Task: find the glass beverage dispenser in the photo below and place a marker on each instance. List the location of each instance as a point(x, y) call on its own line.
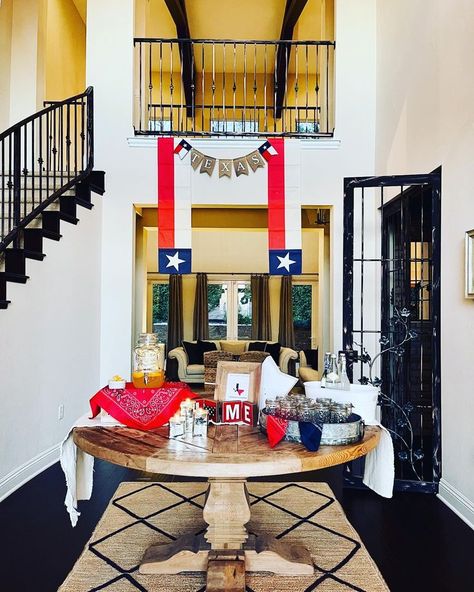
point(148, 362)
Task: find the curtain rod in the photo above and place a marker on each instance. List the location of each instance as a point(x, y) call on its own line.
point(237, 273)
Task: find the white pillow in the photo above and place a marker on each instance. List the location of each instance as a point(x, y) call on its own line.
point(274, 382)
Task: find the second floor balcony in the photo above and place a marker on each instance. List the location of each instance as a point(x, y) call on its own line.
point(210, 87)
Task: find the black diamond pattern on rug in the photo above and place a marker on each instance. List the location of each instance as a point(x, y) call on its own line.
point(160, 512)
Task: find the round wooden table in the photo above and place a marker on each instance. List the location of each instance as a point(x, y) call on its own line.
point(226, 457)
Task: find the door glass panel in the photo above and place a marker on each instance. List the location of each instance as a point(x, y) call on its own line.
point(217, 305)
point(244, 311)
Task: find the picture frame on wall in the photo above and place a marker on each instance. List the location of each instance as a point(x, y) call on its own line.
point(238, 381)
point(469, 281)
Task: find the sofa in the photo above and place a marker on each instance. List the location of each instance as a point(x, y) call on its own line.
point(194, 373)
point(307, 370)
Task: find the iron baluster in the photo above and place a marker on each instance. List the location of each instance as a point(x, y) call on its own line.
point(234, 87)
point(265, 88)
point(202, 86)
point(212, 116)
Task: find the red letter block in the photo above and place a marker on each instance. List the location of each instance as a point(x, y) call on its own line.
point(231, 411)
point(249, 413)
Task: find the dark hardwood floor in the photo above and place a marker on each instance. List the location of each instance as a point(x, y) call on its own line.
point(418, 543)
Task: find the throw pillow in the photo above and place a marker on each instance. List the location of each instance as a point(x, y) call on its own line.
point(274, 350)
point(257, 345)
point(235, 347)
point(311, 356)
point(194, 352)
point(206, 346)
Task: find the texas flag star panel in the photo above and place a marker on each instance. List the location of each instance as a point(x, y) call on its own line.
point(174, 207)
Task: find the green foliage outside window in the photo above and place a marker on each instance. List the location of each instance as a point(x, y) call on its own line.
point(214, 293)
point(160, 303)
point(302, 306)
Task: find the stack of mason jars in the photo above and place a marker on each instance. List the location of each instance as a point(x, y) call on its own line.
point(302, 408)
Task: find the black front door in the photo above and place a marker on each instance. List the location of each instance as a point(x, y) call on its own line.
point(391, 312)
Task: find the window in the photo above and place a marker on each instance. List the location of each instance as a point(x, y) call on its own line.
point(307, 127)
point(230, 309)
point(303, 306)
point(159, 125)
point(235, 126)
point(160, 295)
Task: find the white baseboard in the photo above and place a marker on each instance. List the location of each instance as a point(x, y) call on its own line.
point(28, 470)
point(458, 502)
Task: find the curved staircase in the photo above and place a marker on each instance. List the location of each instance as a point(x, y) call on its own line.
point(46, 176)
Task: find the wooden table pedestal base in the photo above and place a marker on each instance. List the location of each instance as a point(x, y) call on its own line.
point(227, 511)
point(191, 553)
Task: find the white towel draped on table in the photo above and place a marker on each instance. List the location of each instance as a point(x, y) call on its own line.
point(379, 472)
point(78, 467)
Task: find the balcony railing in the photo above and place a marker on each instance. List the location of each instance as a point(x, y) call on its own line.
point(203, 87)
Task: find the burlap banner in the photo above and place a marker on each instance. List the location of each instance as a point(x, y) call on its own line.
point(241, 165)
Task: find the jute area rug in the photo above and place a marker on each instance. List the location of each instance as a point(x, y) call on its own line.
point(144, 514)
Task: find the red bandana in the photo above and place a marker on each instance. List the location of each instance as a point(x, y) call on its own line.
point(141, 408)
point(276, 429)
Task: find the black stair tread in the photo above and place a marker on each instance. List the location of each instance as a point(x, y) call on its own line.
point(51, 235)
point(34, 255)
point(68, 218)
point(83, 203)
point(17, 278)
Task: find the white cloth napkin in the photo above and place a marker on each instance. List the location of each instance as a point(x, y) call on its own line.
point(379, 472)
point(78, 466)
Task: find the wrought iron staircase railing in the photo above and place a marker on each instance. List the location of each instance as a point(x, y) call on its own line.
point(46, 174)
point(41, 157)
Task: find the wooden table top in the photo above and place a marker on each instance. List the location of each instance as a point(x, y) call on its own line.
point(228, 451)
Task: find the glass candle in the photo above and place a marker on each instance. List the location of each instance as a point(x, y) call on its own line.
point(176, 426)
point(200, 422)
point(186, 411)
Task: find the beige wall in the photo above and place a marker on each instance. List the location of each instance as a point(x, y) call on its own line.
point(65, 50)
point(425, 98)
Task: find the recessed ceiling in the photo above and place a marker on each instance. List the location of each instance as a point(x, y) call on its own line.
point(228, 19)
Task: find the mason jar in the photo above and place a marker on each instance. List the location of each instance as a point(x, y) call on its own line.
point(271, 406)
point(306, 410)
point(287, 409)
point(148, 362)
point(322, 412)
point(340, 412)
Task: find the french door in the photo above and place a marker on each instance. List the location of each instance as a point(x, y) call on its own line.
point(229, 309)
point(391, 314)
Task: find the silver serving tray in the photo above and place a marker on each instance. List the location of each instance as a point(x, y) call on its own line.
point(334, 434)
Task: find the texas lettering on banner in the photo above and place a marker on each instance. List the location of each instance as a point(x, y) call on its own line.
point(240, 165)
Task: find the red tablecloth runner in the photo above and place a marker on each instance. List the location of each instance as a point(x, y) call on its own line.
point(141, 408)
